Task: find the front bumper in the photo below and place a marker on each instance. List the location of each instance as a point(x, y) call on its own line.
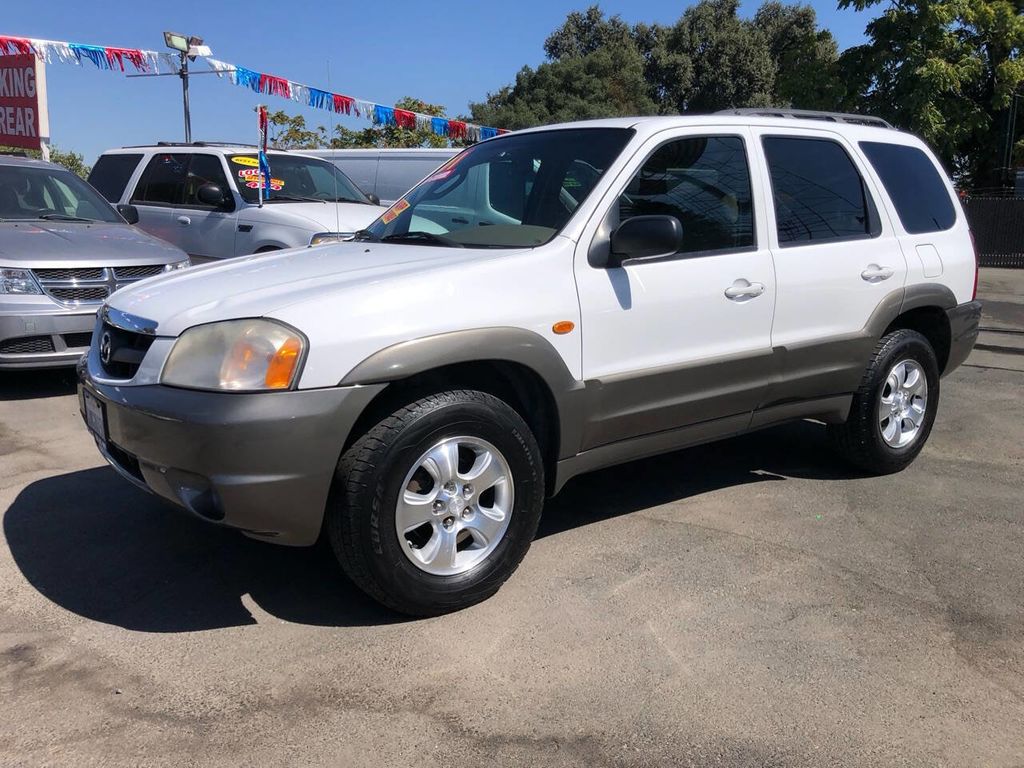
point(262, 462)
point(964, 320)
point(37, 333)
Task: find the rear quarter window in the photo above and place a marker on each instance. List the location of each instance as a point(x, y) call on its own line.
point(111, 173)
point(914, 184)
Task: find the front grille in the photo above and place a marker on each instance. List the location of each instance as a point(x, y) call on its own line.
point(137, 273)
point(90, 285)
point(126, 351)
point(27, 345)
point(81, 273)
point(80, 294)
point(73, 340)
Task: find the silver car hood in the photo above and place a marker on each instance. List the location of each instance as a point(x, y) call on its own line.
point(37, 244)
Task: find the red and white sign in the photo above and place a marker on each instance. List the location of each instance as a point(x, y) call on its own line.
point(23, 118)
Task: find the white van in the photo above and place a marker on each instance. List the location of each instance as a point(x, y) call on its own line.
point(386, 173)
point(203, 198)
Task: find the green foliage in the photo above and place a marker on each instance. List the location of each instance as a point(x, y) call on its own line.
point(73, 161)
point(946, 69)
point(709, 59)
point(290, 131)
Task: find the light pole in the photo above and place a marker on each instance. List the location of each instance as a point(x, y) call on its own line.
point(188, 48)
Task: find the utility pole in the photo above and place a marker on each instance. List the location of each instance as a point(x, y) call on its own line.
point(188, 48)
point(184, 98)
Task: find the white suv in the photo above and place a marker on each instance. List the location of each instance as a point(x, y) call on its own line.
point(203, 197)
point(546, 303)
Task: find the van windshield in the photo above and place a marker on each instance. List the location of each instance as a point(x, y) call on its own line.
point(294, 178)
point(510, 192)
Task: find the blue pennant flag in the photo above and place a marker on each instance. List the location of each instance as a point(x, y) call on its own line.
point(247, 78)
point(264, 170)
point(95, 53)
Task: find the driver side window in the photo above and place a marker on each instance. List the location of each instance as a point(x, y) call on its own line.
point(704, 181)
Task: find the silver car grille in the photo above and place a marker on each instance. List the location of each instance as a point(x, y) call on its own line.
point(90, 285)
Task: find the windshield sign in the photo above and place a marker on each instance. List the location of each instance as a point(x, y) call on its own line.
point(294, 179)
point(511, 192)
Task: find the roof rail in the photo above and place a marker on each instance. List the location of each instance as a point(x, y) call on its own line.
point(810, 114)
point(193, 144)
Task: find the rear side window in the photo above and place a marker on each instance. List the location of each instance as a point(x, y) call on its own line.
point(111, 173)
point(163, 181)
point(819, 195)
point(704, 182)
point(914, 184)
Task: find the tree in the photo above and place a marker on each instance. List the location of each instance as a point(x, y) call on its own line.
point(73, 161)
point(806, 58)
point(290, 132)
point(947, 70)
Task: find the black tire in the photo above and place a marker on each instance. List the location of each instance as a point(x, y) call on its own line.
point(860, 439)
point(360, 518)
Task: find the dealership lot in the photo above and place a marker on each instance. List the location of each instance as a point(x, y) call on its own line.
point(752, 602)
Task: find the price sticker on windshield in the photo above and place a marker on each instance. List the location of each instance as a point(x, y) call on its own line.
point(395, 211)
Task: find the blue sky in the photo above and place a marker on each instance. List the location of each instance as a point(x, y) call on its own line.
point(444, 53)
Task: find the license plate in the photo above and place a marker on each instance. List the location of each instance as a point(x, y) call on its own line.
point(95, 416)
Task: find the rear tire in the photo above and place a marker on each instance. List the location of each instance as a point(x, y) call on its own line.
point(894, 408)
point(404, 519)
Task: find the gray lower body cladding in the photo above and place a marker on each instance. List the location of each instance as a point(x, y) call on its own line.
point(963, 333)
point(261, 462)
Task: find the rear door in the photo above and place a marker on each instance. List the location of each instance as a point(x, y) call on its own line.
point(836, 258)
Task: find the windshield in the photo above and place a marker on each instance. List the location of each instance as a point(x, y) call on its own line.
point(515, 191)
point(294, 179)
point(41, 192)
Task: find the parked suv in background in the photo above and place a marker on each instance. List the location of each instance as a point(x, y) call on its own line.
point(63, 250)
point(203, 197)
point(609, 290)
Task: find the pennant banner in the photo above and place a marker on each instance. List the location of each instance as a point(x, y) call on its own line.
point(155, 62)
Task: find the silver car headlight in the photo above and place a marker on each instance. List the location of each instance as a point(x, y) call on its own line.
point(18, 281)
point(178, 265)
point(321, 238)
point(236, 355)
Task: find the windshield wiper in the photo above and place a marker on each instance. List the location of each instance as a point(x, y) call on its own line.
point(63, 217)
point(365, 234)
point(420, 235)
point(295, 198)
point(347, 200)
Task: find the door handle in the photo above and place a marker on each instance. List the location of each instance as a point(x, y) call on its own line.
point(184, 221)
point(876, 274)
point(743, 290)
point(459, 220)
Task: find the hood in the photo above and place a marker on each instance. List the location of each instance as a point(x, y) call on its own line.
point(257, 285)
point(323, 217)
point(36, 244)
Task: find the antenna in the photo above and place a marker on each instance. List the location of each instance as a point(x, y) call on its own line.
point(330, 139)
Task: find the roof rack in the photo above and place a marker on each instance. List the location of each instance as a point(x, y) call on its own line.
point(810, 114)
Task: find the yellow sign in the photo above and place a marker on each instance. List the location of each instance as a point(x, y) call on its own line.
point(252, 162)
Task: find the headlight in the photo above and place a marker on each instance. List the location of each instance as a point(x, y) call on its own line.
point(177, 265)
point(18, 281)
point(238, 355)
point(330, 237)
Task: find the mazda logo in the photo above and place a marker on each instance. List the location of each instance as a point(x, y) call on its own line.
point(105, 350)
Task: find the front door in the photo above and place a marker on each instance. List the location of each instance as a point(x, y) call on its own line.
point(675, 341)
point(205, 232)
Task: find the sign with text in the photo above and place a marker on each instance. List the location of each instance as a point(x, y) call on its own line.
point(23, 117)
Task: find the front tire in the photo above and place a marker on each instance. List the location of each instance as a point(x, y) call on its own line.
point(894, 408)
point(434, 507)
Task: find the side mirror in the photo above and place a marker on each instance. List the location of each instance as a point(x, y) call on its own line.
point(373, 198)
point(129, 213)
point(211, 194)
point(645, 237)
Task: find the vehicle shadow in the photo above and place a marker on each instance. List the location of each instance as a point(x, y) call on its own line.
point(100, 548)
point(33, 384)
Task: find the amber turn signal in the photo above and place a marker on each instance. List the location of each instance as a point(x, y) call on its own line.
point(563, 327)
point(282, 364)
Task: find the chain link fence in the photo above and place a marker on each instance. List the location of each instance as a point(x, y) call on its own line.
point(998, 227)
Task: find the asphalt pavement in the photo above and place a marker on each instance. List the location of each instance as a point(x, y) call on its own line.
point(749, 603)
